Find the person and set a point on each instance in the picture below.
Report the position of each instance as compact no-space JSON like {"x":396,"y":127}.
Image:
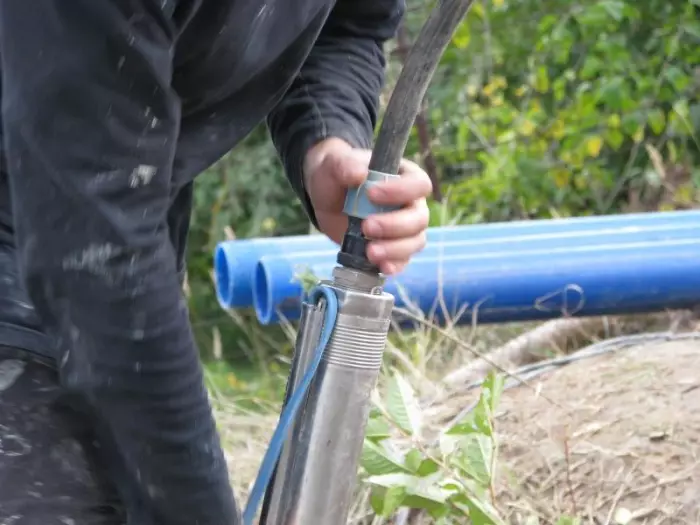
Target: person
{"x":110,"y":109}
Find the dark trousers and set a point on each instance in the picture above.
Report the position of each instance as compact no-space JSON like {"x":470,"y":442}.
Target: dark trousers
{"x":50,"y":466}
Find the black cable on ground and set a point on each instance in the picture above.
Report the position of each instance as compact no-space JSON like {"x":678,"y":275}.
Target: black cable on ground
{"x":608,"y":346}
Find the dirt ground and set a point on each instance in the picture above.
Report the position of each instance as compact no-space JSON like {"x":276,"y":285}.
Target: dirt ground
{"x":621,"y":444}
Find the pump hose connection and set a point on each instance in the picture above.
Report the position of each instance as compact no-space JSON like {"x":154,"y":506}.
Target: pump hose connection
{"x":325,"y":412}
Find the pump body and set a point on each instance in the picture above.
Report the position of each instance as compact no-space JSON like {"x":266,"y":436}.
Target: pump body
{"x":316,"y":475}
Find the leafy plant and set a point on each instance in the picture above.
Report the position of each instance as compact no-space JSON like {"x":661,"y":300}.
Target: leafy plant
{"x":552,"y":115}
{"x":453,"y":479}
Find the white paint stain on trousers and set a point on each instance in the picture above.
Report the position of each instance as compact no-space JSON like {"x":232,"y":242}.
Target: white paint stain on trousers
{"x":10,"y":370}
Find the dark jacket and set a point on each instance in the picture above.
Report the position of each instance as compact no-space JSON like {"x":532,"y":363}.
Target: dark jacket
{"x":110,"y":109}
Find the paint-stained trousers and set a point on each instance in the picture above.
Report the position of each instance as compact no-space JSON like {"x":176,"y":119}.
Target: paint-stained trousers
{"x":50,"y":472}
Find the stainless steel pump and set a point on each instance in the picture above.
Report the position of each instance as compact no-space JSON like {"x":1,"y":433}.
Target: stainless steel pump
{"x":314,"y":479}
{"x":317,"y":471}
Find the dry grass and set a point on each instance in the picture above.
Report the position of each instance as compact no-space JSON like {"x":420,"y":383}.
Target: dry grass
{"x":245,"y":437}
{"x":626,"y":438}
{"x":623,"y":433}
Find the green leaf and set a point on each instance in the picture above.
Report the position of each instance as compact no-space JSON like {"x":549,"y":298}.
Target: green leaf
{"x":436,"y":507}
{"x":631,"y":122}
{"x":615,"y":8}
{"x":482,"y":512}
{"x":418,"y":492}
{"x":376,"y":500}
{"x":462,"y":36}
{"x":694,"y":116}
{"x":463,"y":133}
{"x":547,"y":23}
{"x":475,"y":458}
{"x":479,"y":419}
{"x":676,"y":77}
{"x":614,"y":138}
{"x":541,"y":81}
{"x":402,"y":405}
{"x":475,"y":422}
{"x":379,"y":459}
{"x":591,"y":67}
{"x":377,"y":429}
{"x":413,"y":460}
{"x":393,"y":498}
{"x":428,"y":467}
{"x":420,"y":465}
{"x":656,"y":120}
{"x":613,"y":93}
{"x":492,"y":389}
{"x":692,"y":27}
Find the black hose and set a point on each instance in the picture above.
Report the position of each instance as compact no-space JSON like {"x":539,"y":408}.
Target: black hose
{"x":413,"y":82}
{"x":401,"y":113}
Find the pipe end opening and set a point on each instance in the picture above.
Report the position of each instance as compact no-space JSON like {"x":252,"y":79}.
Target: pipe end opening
{"x":224,"y":285}
{"x":262,"y":294}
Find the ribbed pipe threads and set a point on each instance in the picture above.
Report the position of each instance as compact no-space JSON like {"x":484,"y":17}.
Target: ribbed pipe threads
{"x":357,"y":344}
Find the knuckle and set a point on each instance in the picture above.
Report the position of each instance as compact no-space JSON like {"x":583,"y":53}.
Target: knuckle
{"x":422,"y":240}
{"x":424,"y":216}
{"x":409,"y":166}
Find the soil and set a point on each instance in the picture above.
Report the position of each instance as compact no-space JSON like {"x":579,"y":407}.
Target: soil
{"x":621,"y":444}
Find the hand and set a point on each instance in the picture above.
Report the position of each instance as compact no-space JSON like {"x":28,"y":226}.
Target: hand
{"x":332,"y":166}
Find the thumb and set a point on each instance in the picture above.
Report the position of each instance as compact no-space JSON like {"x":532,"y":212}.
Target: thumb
{"x":332,"y":167}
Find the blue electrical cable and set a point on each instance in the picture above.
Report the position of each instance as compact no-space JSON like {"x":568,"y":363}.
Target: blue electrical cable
{"x":274,"y":449}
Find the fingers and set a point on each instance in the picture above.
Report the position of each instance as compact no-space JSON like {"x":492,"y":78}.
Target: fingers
{"x":393,"y":255}
{"x":413,"y":184}
{"x":392,"y":268}
{"x":405,"y":222}
{"x":397,"y":236}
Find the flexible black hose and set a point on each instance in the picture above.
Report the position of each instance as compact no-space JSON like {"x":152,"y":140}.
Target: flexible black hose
{"x":413,"y":82}
{"x":404,"y":106}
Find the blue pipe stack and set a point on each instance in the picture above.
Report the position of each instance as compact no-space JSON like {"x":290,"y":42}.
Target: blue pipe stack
{"x":493,"y":273}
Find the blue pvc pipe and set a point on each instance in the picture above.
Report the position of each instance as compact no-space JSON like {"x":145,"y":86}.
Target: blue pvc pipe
{"x":235,"y":261}
{"x":277,"y":292}
{"x":574,"y":281}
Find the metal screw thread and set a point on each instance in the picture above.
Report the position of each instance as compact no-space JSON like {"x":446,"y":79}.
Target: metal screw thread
{"x":353,"y":345}
{"x":352,"y":279}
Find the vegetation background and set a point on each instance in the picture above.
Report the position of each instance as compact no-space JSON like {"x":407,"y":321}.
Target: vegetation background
{"x":539,"y":109}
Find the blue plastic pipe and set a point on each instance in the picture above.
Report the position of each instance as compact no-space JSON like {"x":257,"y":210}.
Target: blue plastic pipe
{"x":235,"y":261}
{"x":589,"y":280}
{"x":539,"y":284}
{"x":277,"y":291}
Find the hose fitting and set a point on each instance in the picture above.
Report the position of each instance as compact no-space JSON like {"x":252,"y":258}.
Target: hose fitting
{"x":353,"y":251}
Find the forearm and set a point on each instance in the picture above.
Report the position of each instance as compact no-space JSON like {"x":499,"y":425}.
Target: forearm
{"x":90,"y":128}
{"x":337,"y":92}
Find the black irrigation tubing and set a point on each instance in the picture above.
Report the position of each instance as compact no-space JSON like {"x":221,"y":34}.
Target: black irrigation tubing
{"x":608,"y":346}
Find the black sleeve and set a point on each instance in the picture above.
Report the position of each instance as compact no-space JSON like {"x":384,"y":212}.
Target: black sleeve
{"x":90,"y":127}
{"x":337,"y":91}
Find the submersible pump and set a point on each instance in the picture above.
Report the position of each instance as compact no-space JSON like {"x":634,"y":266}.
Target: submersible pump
{"x":309,"y":474}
